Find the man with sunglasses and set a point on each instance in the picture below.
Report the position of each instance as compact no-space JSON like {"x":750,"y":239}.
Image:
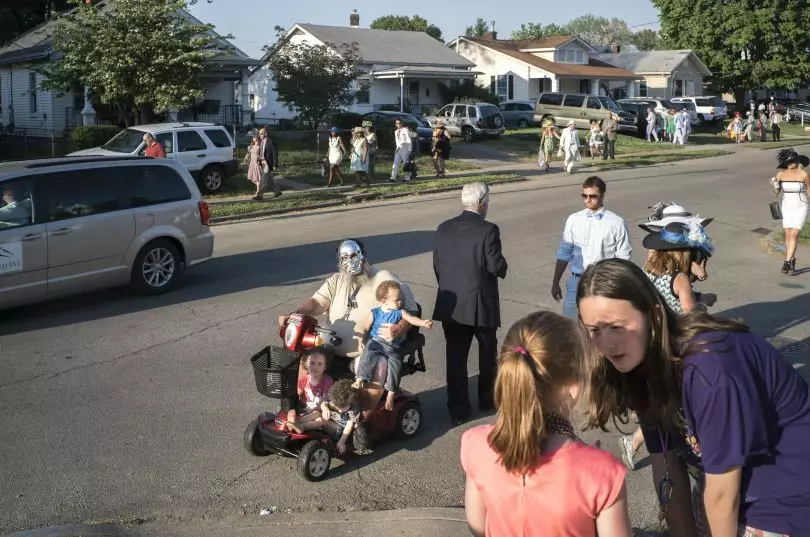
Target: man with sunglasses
{"x":590,"y":235}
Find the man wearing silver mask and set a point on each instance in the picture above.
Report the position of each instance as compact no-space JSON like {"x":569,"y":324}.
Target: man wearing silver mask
{"x":348,"y":296}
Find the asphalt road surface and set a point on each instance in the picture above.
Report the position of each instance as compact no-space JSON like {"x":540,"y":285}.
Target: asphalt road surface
{"x":118,"y":408}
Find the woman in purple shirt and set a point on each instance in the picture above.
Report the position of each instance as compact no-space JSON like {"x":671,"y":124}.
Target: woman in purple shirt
{"x":714,"y":400}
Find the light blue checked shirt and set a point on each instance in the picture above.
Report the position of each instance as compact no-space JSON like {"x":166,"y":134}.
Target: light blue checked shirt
{"x":589,"y":237}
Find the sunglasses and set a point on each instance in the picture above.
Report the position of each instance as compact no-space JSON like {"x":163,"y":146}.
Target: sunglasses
{"x":590,"y":196}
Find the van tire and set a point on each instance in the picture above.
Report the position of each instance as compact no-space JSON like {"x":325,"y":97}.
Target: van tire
{"x":522,"y":123}
{"x":212,"y":178}
{"x":161,"y":256}
{"x":468,"y":133}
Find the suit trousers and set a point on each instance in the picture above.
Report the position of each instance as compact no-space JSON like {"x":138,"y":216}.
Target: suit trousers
{"x":458,"y":338}
{"x":400,"y":158}
{"x":610,"y":149}
{"x":268,"y":180}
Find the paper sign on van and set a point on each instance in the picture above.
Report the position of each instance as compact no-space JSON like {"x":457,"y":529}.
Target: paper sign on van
{"x":11,"y":257}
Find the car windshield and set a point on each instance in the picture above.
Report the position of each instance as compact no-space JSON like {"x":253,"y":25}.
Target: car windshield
{"x":489,"y":110}
{"x":126,"y":141}
{"x":608,"y":103}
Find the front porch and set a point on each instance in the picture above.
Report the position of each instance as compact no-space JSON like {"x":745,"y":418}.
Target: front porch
{"x":589,"y":86}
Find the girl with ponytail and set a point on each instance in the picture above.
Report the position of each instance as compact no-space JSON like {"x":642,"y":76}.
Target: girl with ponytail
{"x":528,"y":474}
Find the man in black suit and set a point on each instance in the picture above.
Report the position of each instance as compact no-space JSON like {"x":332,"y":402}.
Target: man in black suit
{"x":467,"y":260}
{"x":268,"y":160}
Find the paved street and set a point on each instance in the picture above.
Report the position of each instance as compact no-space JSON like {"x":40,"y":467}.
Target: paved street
{"x":124,"y":409}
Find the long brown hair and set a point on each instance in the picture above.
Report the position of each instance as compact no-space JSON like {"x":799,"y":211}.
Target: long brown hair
{"x":653,"y":389}
{"x":662,"y":262}
{"x":541,"y":354}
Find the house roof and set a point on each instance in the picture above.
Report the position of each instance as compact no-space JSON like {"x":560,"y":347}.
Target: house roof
{"x":594,"y":69}
{"x":653,"y":61}
{"x":395,"y":47}
{"x":428,"y":71}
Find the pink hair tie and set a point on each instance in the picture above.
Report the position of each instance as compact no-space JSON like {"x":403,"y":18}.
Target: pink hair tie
{"x":521,"y":350}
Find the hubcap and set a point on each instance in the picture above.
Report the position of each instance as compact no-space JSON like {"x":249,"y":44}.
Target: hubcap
{"x":410,"y":421}
{"x":319,"y":462}
{"x":158,"y":267}
{"x":213,"y":180}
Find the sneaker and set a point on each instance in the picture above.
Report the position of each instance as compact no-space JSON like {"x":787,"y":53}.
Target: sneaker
{"x":626,"y":448}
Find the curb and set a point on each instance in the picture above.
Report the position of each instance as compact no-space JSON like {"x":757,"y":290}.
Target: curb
{"x":349,"y":200}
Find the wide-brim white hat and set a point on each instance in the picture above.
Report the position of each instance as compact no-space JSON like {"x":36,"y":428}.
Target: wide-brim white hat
{"x":672,"y":214}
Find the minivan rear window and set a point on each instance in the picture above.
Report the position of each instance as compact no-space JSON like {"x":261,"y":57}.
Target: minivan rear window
{"x":153,"y":185}
{"x":551,"y":98}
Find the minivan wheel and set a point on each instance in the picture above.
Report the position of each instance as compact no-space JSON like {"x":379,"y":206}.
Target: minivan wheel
{"x":699,"y":120}
{"x":469,"y":134}
{"x":522,"y":123}
{"x":156,"y":267}
{"x":211,"y":179}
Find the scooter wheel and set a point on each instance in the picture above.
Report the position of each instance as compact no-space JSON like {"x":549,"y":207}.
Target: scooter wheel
{"x":314,"y":460}
{"x":253,"y":440}
{"x":409,"y":421}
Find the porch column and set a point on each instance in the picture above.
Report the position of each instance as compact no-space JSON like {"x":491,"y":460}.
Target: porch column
{"x":555,"y":84}
{"x":244,"y":99}
{"x":595,"y":86}
{"x":631,"y":88}
{"x":88,"y":112}
{"x":402,"y":93}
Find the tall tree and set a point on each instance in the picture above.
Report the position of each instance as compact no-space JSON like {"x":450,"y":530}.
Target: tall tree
{"x":19,"y":16}
{"x":403,"y":22}
{"x":600,"y":31}
{"x":478,"y":29}
{"x":143,"y":53}
{"x":536,"y":31}
{"x":646,"y":39}
{"x":747,"y":44}
{"x":313,"y":80}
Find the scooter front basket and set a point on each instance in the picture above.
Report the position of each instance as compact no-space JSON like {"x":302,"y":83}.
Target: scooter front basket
{"x":276,"y":372}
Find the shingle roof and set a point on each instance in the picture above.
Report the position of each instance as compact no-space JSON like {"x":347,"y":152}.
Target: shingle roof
{"x":594,"y":69}
{"x":653,"y":61}
{"x":390,"y":46}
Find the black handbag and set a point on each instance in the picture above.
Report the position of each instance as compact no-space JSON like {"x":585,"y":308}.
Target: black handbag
{"x":776,"y":210}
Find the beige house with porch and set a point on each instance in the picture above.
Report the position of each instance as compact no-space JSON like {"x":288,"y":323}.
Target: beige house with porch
{"x":521,"y":70}
{"x":664,"y":73}
{"x":401,"y":70}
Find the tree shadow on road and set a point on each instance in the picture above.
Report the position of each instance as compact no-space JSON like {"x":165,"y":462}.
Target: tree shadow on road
{"x":221,"y":276}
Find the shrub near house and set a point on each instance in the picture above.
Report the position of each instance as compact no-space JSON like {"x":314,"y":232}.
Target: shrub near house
{"x":92,"y":136}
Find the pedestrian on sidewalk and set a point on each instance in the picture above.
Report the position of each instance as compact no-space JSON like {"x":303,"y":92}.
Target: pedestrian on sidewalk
{"x":373,"y":148}
{"x":569,"y":146}
{"x":254,"y":171}
{"x":793,"y":182}
{"x":335,"y":156}
{"x":468,"y":262}
{"x":359,"y":162}
{"x":590,"y":235}
{"x":547,"y":137}
{"x":529,"y":475}
{"x":776,"y":129}
{"x":268,"y":160}
{"x":610,"y":127}
{"x":652,"y":124}
{"x":440,"y":148}
{"x":402,"y":137}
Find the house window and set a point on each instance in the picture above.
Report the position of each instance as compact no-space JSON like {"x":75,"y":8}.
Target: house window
{"x":32,"y":88}
{"x":678,"y":88}
{"x":506,"y":87}
{"x":363,"y":91}
{"x":642,"y":89}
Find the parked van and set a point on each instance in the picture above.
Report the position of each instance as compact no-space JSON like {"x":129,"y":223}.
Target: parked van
{"x":75,"y":224}
{"x":582,"y":108}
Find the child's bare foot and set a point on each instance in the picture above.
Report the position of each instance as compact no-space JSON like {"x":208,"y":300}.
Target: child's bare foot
{"x":389,"y":401}
{"x":358,"y":384}
{"x":294,"y":428}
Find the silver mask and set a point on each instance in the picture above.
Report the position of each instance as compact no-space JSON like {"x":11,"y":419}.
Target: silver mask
{"x":350,"y":257}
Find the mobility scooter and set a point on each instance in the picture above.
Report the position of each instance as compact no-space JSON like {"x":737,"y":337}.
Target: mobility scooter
{"x":275,"y":369}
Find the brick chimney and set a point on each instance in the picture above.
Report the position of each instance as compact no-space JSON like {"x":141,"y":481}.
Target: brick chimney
{"x":354,"y":19}
{"x":491,"y":35}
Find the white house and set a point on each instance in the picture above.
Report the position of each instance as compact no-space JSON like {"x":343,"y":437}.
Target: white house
{"x":665,"y":73}
{"x":521,"y":70}
{"x":26,"y":108}
{"x":401,"y":70}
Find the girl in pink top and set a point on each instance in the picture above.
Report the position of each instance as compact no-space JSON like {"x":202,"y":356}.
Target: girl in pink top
{"x":529,"y":475}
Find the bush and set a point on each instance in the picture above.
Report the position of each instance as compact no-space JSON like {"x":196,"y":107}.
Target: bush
{"x":92,"y":136}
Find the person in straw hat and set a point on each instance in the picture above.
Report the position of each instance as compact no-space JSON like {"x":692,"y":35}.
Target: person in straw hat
{"x":359,"y":162}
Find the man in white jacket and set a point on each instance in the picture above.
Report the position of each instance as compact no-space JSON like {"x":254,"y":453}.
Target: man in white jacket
{"x":402,"y":137}
{"x":569,"y":144}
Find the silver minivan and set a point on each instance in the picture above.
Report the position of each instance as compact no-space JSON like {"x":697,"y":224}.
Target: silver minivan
{"x":75,"y":224}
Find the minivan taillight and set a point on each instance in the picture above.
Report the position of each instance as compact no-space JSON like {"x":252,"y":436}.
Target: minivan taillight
{"x":205,"y":214}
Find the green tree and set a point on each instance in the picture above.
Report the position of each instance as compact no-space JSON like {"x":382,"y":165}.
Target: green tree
{"x":478,"y":29}
{"x":403,"y":22}
{"x":600,"y":31}
{"x":646,"y":39}
{"x":532,"y":30}
{"x":747,"y":44}
{"x":19,"y":16}
{"x":313,"y":80}
{"x":142,"y":53}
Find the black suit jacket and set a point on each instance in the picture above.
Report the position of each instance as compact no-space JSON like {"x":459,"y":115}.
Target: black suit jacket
{"x":467,"y":260}
{"x":270,"y":156}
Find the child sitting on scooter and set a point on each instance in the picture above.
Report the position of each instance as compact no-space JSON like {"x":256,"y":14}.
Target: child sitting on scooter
{"x":342,"y":413}
{"x":389,"y":295}
{"x":313,"y":389}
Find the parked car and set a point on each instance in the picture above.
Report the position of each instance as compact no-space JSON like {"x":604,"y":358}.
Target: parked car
{"x":518,"y":114}
{"x":424,"y":132}
{"x":205,"y":149}
{"x":709,"y":107}
{"x":470,"y":120}
{"x":639,"y":113}
{"x":580,"y":107}
{"x":75,"y":224}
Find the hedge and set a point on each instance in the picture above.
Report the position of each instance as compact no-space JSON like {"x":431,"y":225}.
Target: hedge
{"x":92,"y":136}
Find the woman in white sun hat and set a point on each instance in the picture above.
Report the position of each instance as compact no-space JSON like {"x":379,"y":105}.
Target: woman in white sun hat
{"x":569,"y":145}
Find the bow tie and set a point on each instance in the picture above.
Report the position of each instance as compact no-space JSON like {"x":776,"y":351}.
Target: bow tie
{"x":598,"y":216}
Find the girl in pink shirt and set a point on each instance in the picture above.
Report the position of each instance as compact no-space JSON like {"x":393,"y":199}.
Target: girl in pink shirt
{"x":313,"y":389}
{"x":528,"y":474}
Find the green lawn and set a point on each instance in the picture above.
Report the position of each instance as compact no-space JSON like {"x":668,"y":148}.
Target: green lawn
{"x":296,"y":201}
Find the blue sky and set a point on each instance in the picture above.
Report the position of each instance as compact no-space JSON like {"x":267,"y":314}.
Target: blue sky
{"x":251,"y":22}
